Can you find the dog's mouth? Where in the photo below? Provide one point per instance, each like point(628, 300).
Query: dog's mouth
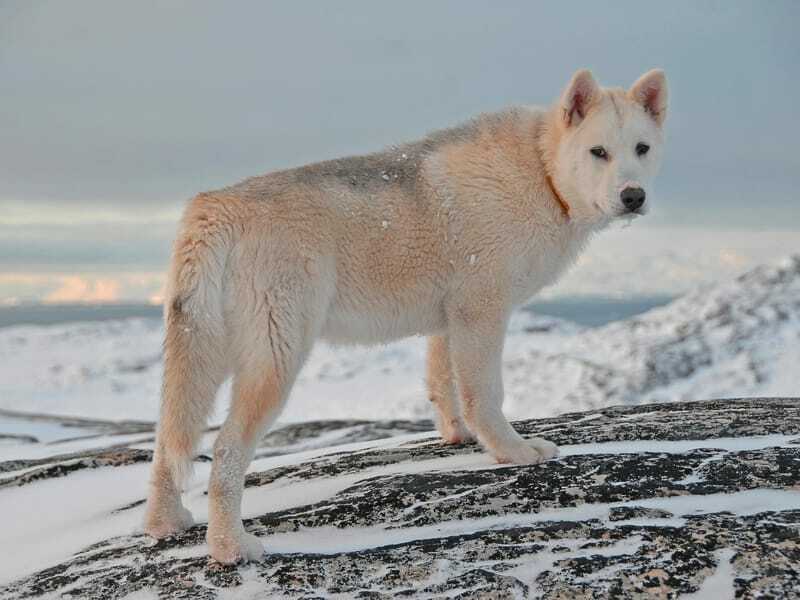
point(629, 216)
point(632, 214)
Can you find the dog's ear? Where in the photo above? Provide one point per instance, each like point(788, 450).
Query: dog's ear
point(578, 97)
point(650, 90)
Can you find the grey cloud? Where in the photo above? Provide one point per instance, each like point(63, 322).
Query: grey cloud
point(144, 103)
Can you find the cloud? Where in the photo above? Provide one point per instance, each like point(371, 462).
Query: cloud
point(126, 246)
point(54, 288)
point(78, 289)
point(124, 126)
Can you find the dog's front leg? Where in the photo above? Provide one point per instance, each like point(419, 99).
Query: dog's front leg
point(442, 392)
point(476, 346)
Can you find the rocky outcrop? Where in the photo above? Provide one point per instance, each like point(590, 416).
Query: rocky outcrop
point(684, 498)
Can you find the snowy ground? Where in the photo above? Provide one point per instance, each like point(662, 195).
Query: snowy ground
point(634, 504)
point(739, 338)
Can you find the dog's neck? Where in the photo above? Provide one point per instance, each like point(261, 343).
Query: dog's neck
point(547, 136)
point(561, 202)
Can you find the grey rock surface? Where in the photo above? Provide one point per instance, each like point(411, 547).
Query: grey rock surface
point(660, 500)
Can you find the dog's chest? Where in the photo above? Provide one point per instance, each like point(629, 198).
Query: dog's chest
point(542, 263)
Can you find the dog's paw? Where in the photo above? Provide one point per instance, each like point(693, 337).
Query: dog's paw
point(532, 452)
point(230, 548)
point(161, 522)
point(455, 431)
point(545, 447)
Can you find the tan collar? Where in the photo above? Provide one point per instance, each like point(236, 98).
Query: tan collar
point(561, 202)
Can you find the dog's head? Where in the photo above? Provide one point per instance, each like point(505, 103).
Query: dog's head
point(608, 146)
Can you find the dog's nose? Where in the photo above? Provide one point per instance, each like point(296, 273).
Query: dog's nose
point(632, 198)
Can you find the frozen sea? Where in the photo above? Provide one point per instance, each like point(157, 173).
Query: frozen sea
point(589, 311)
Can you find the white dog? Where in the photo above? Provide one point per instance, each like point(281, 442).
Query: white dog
point(442, 237)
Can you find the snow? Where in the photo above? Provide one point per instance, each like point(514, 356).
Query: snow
point(39, 530)
point(756, 442)
point(719, 585)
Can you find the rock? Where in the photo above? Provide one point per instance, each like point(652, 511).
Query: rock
point(624, 513)
point(660, 500)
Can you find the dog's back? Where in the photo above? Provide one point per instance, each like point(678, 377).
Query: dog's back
point(387, 235)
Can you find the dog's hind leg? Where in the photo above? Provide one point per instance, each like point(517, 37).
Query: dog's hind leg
point(194, 368)
point(195, 361)
point(274, 334)
point(442, 392)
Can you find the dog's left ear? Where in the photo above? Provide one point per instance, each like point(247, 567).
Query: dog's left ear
point(650, 90)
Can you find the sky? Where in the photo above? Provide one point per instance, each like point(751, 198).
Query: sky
point(113, 114)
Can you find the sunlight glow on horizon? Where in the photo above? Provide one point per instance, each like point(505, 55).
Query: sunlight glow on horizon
point(667, 262)
point(83, 288)
point(19, 212)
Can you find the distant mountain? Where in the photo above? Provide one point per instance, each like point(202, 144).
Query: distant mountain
point(740, 338)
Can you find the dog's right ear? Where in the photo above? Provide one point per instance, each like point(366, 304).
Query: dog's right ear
point(579, 95)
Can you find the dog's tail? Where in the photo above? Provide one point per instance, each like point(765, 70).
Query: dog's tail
point(195, 341)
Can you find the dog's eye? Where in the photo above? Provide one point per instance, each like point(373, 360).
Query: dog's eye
point(599, 152)
point(641, 149)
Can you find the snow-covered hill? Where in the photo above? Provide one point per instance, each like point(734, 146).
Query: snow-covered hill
point(741, 338)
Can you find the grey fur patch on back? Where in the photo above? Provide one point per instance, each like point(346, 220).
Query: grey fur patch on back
point(396, 165)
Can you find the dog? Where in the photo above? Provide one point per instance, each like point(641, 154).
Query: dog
point(441, 237)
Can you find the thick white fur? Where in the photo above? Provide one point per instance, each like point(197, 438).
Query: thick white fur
point(442, 237)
